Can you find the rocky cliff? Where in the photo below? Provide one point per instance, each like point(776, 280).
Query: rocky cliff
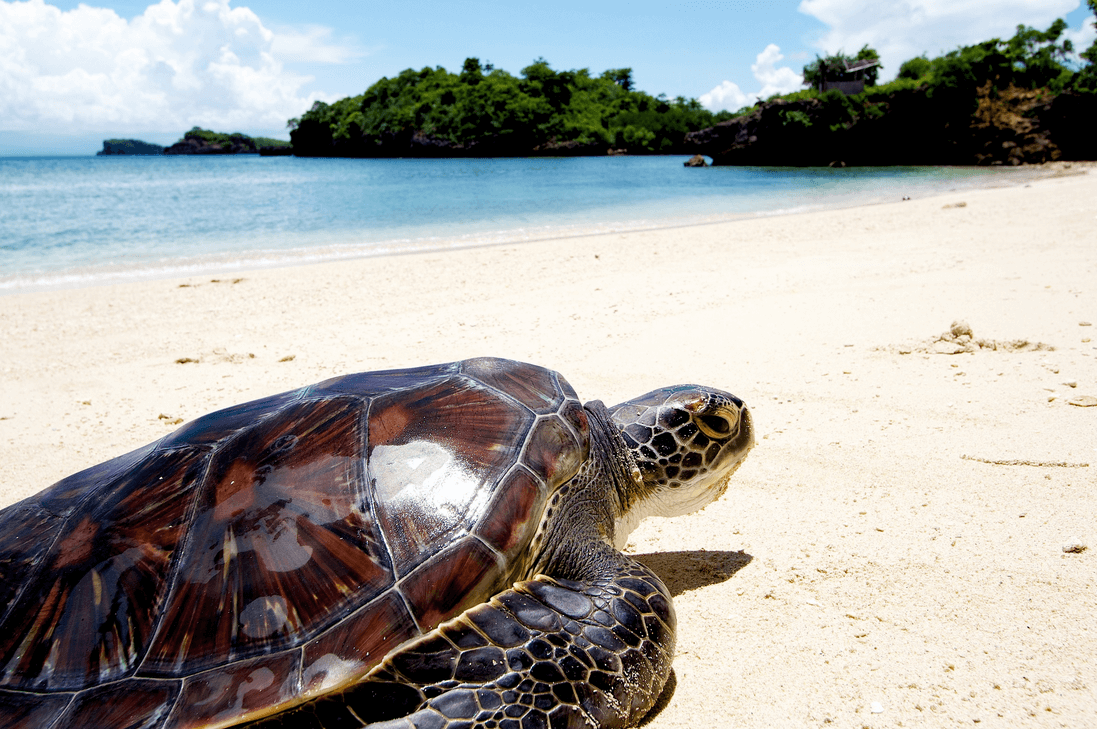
point(908, 127)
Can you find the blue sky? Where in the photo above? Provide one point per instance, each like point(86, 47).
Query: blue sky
point(72, 74)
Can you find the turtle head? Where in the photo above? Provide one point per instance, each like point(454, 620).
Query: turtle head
point(685, 441)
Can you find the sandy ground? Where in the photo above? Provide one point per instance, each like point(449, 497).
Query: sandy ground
point(866, 568)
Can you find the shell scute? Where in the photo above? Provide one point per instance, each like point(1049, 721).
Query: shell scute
point(87, 614)
point(354, 645)
point(511, 519)
point(26, 533)
point(67, 494)
point(531, 385)
point(215, 427)
point(383, 381)
point(130, 705)
point(554, 451)
point(31, 711)
point(280, 545)
point(435, 454)
point(241, 690)
point(451, 582)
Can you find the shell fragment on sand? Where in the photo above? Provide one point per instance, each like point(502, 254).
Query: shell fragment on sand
point(1074, 545)
point(959, 339)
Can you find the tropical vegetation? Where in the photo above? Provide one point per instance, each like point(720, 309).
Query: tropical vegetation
point(1021, 99)
point(484, 110)
point(235, 139)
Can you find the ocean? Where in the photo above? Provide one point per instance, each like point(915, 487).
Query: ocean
point(78, 221)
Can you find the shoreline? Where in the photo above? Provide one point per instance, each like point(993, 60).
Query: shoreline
point(241, 262)
point(894, 541)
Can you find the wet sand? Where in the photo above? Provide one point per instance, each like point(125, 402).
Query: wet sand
point(892, 552)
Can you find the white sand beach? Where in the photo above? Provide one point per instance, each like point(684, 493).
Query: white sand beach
point(892, 551)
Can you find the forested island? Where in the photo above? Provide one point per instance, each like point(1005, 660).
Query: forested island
point(200, 141)
point(485, 111)
point(115, 147)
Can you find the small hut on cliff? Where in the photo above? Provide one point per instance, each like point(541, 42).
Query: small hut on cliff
point(847, 76)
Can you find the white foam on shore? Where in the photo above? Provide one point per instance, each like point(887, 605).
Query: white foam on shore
point(228, 264)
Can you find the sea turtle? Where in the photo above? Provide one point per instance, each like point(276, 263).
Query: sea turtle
point(433, 547)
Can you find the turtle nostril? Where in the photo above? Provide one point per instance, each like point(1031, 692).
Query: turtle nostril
point(714, 426)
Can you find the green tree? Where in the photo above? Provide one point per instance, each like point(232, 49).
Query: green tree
point(471, 72)
point(1037, 59)
point(916, 68)
point(1086, 79)
point(620, 76)
point(1030, 59)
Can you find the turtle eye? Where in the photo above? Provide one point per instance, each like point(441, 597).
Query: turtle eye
point(695, 404)
point(714, 426)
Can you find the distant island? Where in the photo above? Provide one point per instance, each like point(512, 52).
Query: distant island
point(200, 141)
point(128, 146)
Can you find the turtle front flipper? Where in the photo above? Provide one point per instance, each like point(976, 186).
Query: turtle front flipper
point(548, 652)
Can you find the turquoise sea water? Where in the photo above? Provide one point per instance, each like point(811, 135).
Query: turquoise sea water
point(74, 221)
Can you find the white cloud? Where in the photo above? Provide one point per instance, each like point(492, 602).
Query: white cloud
point(774, 80)
point(179, 64)
point(725, 96)
point(902, 30)
point(313, 44)
point(1082, 38)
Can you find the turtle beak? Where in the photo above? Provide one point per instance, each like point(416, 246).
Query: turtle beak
point(744, 441)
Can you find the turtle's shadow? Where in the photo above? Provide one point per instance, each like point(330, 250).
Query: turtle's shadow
point(682, 571)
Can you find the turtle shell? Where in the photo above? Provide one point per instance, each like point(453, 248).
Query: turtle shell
point(270, 552)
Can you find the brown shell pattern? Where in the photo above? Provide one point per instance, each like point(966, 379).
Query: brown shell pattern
point(275, 550)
